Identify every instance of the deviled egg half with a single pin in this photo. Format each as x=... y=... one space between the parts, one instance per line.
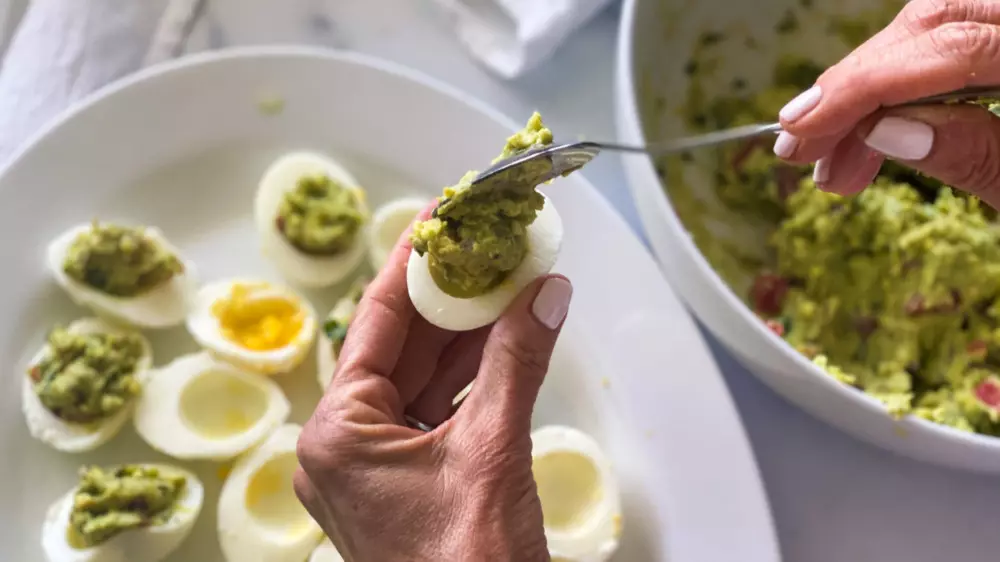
x=123 y=514
x=388 y=224
x=260 y=517
x=82 y=385
x=483 y=244
x=260 y=326
x=581 y=506
x=326 y=552
x=334 y=331
x=199 y=407
x=311 y=217
x=128 y=274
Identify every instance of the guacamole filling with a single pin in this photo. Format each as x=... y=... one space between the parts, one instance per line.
x=336 y=323
x=87 y=377
x=320 y=216
x=109 y=502
x=119 y=261
x=478 y=234
x=894 y=291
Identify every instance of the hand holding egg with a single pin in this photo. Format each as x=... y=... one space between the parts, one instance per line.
x=397 y=366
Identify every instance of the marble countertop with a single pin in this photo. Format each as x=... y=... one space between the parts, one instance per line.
x=834 y=499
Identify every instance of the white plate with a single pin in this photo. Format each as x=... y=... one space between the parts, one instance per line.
x=182 y=148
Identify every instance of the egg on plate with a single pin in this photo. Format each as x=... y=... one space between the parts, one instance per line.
x=260 y=517
x=458 y=312
x=334 y=331
x=199 y=407
x=263 y=327
x=123 y=514
x=581 y=505
x=311 y=218
x=128 y=274
x=82 y=385
x=389 y=222
x=326 y=552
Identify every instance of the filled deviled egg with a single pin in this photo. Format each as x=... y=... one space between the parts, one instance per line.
x=260 y=517
x=483 y=244
x=581 y=505
x=311 y=217
x=388 y=223
x=82 y=385
x=123 y=514
x=333 y=332
x=199 y=407
x=260 y=326
x=128 y=274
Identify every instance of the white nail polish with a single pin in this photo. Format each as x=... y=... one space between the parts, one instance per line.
x=821 y=172
x=785 y=145
x=903 y=139
x=801 y=105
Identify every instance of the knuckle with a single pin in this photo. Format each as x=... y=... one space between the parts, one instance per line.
x=925 y=15
x=978 y=170
x=527 y=356
x=968 y=44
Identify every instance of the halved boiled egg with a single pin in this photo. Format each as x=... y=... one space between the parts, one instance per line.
x=311 y=217
x=59 y=392
x=260 y=326
x=334 y=331
x=260 y=517
x=581 y=506
x=388 y=224
x=199 y=407
x=544 y=239
x=127 y=274
x=123 y=514
x=326 y=552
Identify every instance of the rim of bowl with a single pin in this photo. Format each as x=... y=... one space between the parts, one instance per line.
x=632 y=125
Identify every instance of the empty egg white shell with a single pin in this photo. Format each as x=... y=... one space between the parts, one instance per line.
x=161 y=307
x=77 y=437
x=326 y=552
x=149 y=544
x=450 y=313
x=388 y=224
x=297 y=267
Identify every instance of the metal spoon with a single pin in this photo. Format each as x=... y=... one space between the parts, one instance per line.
x=565 y=158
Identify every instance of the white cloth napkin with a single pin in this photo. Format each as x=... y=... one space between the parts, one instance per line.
x=63 y=50
x=511 y=37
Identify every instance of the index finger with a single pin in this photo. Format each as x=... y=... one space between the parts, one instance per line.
x=930 y=48
x=382 y=321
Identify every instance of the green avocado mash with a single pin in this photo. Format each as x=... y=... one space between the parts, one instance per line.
x=320 y=216
x=109 y=502
x=119 y=260
x=87 y=377
x=477 y=236
x=895 y=291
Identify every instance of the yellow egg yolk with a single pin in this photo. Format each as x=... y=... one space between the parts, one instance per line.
x=569 y=487
x=256 y=321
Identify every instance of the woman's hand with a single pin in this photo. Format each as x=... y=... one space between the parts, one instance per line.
x=932 y=46
x=464 y=491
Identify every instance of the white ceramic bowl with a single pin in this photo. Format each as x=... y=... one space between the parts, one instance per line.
x=655 y=42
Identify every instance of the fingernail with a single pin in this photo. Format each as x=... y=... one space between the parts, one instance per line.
x=801 y=105
x=900 y=138
x=785 y=145
x=552 y=302
x=821 y=172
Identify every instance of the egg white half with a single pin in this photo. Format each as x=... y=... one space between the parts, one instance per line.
x=205 y=327
x=326 y=552
x=388 y=224
x=161 y=307
x=260 y=517
x=326 y=357
x=198 y=407
x=594 y=538
x=297 y=267
x=149 y=544
x=451 y=313
x=71 y=437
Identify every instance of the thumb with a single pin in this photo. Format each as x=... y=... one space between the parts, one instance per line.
x=957 y=144
x=515 y=360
